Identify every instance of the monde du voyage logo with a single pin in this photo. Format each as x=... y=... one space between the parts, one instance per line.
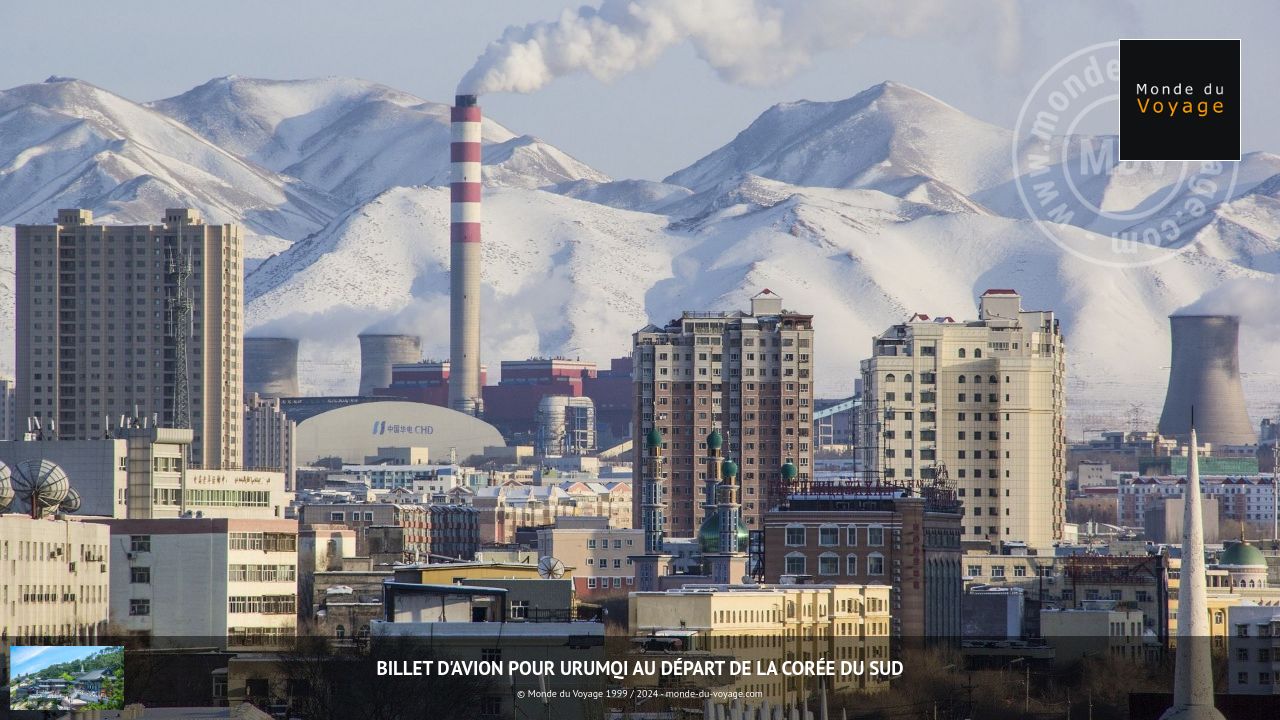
x=1180 y=100
x=382 y=427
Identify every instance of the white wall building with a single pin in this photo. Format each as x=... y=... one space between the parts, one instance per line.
x=205 y=578
x=54 y=578
x=985 y=399
x=1253 y=661
x=142 y=473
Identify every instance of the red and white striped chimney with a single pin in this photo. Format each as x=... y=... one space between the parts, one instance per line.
x=464 y=258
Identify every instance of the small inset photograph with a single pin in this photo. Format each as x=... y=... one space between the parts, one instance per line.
x=61 y=677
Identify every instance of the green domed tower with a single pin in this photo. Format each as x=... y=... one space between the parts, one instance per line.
x=715 y=440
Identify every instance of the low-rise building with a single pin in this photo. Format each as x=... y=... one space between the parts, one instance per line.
x=773 y=622
x=228 y=580
x=875 y=536
x=142 y=473
x=1253 y=660
x=1098 y=629
x=54 y=580
x=602 y=558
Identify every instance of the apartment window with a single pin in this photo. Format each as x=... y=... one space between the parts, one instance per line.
x=491 y=654
x=139 y=543
x=828 y=535
x=875 y=564
x=875 y=536
x=794 y=564
x=139 y=574
x=851 y=564
x=829 y=564
x=975 y=571
x=140 y=606
x=1242 y=631
x=591 y=544
x=853 y=536
x=997 y=571
x=795 y=536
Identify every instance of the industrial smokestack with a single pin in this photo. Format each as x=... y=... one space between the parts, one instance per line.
x=1205 y=375
x=271 y=366
x=464 y=258
x=379 y=352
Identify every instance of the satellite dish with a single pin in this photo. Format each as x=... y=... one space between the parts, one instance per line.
x=6 y=488
x=40 y=486
x=70 y=503
x=550 y=568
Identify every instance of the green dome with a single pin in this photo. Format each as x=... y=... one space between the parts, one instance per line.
x=655 y=438
x=1242 y=554
x=709 y=535
x=715 y=440
x=789 y=470
x=728 y=469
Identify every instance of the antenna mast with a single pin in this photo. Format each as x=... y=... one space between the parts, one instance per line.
x=179 y=269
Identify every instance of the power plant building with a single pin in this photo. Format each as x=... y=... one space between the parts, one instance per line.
x=1204 y=381
x=354 y=432
x=271 y=366
x=747 y=374
x=379 y=353
x=97 y=333
x=984 y=400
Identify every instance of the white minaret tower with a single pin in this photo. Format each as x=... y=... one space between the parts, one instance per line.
x=464 y=258
x=1193 y=672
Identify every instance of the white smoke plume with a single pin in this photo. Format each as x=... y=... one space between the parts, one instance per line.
x=1255 y=300
x=749 y=42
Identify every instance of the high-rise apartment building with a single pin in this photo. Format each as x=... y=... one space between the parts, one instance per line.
x=747 y=374
x=983 y=400
x=8 y=409
x=98 y=330
x=268 y=437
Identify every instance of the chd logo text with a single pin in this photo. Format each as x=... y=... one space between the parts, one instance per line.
x=382 y=427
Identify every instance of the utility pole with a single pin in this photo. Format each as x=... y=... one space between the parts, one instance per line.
x=1026 y=700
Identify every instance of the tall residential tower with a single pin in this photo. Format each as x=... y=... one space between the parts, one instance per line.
x=748 y=375
x=97 y=309
x=983 y=399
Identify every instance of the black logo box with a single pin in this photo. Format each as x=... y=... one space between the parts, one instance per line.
x=1183 y=65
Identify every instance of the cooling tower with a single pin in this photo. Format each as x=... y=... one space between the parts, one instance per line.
x=1205 y=375
x=464 y=257
x=271 y=366
x=379 y=352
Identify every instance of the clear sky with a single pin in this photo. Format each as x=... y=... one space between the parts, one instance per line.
x=646 y=124
x=31 y=658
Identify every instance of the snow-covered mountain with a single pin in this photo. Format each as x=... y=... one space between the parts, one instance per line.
x=860 y=211
x=66 y=143
x=356 y=138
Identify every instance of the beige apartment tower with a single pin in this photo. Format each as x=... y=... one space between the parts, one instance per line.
x=748 y=375
x=100 y=321
x=982 y=400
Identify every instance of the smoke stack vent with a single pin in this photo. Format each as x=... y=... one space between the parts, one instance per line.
x=1204 y=382
x=464 y=257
